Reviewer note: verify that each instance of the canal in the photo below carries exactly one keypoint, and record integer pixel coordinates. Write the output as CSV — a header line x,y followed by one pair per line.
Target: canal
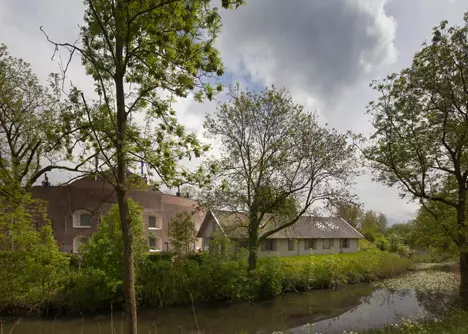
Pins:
x,y
351,307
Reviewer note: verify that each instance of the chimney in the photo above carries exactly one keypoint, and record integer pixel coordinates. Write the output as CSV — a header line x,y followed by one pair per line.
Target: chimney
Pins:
x,y
45,183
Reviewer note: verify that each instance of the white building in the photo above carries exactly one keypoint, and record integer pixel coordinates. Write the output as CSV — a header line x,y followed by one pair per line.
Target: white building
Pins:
x,y
309,235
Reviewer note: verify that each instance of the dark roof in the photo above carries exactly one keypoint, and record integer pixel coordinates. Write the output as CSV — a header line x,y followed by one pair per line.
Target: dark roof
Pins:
x,y
234,226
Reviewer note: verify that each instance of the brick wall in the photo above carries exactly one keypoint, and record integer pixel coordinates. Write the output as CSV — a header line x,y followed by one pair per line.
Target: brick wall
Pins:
x,y
97,196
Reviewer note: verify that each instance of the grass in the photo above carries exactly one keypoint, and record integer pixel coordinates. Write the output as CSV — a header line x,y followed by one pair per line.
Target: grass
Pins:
x,y
328,271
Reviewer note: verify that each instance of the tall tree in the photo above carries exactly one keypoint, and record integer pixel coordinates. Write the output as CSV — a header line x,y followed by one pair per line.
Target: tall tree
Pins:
x,y
421,129
276,162
36,128
141,53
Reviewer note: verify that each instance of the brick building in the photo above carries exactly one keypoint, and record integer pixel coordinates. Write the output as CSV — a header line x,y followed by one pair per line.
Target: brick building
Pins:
x,y
75,210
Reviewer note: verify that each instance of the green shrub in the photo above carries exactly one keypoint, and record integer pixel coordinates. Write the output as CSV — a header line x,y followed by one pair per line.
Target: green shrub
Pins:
x,y
105,248
269,279
89,290
217,276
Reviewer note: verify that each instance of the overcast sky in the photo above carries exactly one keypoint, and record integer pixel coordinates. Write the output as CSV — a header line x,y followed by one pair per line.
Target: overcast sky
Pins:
x,y
325,52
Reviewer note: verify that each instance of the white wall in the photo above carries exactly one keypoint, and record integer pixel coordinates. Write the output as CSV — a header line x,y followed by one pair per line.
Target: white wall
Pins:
x,y
210,228
282,245
282,248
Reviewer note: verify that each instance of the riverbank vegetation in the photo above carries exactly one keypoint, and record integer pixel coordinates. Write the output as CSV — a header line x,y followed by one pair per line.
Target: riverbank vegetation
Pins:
x,y
93,282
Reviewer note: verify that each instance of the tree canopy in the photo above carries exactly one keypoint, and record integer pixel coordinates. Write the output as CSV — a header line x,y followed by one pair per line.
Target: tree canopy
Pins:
x,y
421,128
276,161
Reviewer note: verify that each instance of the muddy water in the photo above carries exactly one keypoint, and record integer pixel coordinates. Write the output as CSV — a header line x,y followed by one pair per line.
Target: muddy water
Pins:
x,y
319,311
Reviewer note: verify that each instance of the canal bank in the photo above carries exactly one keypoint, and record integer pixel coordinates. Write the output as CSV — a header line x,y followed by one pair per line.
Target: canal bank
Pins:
x,y
350,307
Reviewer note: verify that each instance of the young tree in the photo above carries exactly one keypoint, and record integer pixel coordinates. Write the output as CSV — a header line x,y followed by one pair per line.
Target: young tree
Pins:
x,y
141,53
105,247
182,233
351,212
421,129
276,162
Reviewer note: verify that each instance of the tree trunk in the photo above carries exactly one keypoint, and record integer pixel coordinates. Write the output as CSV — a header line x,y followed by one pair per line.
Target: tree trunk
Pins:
x,y
129,272
464,275
122,182
463,247
253,249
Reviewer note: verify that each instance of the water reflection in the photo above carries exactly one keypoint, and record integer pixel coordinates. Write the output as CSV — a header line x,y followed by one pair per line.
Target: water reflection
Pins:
x,y
382,307
353,307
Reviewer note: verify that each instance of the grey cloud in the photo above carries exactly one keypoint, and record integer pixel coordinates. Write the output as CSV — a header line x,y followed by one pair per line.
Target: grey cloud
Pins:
x,y
321,46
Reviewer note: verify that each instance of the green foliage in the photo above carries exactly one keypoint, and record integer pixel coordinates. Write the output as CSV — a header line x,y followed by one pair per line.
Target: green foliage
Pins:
x,y
421,128
272,150
351,212
216,277
35,124
32,266
89,290
104,250
435,227
182,233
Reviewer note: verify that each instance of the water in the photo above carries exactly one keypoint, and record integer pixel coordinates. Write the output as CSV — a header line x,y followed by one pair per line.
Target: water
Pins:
x,y
352,307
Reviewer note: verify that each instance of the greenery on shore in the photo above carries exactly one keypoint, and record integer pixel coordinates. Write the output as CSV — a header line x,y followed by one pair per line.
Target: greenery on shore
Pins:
x,y
164,279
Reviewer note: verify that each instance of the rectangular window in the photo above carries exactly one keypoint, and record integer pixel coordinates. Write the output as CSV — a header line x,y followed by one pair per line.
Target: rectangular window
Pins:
x,y
152,222
243,243
327,243
310,244
269,245
344,243
152,243
290,245
85,219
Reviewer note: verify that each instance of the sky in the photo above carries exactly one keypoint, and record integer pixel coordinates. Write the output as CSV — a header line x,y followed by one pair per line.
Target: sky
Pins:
x,y
325,52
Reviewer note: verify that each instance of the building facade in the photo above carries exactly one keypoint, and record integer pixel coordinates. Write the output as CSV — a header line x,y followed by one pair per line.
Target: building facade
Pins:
x,y
310,235
75,211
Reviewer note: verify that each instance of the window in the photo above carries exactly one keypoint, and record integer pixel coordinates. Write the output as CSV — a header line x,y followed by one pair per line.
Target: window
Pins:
x,y
154,244
344,243
81,219
290,245
244,243
269,245
78,241
327,243
310,244
154,223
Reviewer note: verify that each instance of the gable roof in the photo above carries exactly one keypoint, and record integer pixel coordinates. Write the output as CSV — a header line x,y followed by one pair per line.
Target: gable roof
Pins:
x,y
234,225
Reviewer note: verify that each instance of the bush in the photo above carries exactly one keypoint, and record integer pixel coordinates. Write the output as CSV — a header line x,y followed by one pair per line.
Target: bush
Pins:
x,y
220,276
89,290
